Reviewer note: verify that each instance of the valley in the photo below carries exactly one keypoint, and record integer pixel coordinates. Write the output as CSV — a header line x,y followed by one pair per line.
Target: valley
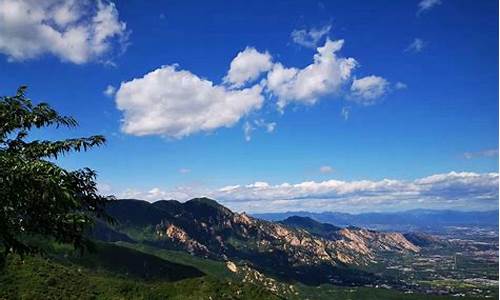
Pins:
x,y
202,249
302,251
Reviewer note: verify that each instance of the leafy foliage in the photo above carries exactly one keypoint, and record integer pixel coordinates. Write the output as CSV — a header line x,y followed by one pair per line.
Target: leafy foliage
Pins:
x,y
38,197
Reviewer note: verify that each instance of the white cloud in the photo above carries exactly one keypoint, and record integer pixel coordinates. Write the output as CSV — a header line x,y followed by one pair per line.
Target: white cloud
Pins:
x,y
247,66
367,89
324,76
156,193
437,191
400,85
177,103
416,46
425,5
109,91
326,169
269,126
453,190
74,31
482,153
104,188
247,131
249,127
258,185
345,112
184,170
310,38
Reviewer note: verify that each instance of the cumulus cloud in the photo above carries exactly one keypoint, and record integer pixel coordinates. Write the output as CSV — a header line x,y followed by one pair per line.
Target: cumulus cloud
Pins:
x,y
74,31
310,38
425,5
454,189
440,191
176,103
247,66
482,153
415,46
324,76
367,89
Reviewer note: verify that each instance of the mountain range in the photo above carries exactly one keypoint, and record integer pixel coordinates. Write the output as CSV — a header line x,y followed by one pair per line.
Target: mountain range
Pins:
x,y
200,249
297,248
412,220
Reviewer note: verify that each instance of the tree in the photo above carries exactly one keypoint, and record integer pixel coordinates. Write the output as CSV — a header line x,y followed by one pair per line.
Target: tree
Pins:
x,y
38,197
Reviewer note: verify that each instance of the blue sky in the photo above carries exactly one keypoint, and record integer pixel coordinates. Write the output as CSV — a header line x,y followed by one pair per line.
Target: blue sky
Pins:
x,y
421,98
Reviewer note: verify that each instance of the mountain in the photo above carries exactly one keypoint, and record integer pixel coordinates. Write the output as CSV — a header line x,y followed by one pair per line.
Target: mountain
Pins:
x,y
138,213
103,232
413,220
355,237
205,228
424,240
325,230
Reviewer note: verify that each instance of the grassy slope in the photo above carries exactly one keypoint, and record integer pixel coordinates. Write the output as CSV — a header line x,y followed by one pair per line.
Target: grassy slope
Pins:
x,y
129,276
214,268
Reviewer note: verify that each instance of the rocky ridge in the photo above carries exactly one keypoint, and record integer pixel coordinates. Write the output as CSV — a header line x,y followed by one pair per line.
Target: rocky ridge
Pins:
x,y
216,231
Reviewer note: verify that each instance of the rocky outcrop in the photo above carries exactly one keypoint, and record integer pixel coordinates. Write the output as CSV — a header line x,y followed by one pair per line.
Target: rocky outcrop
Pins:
x,y
210,229
180,237
248,274
372,241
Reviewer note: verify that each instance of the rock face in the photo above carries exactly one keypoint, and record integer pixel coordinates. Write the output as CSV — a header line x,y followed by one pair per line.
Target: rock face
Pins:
x,y
376,241
180,237
204,227
361,240
232,266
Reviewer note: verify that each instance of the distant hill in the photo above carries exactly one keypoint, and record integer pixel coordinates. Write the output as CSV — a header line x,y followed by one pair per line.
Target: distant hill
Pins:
x,y
399,221
313,226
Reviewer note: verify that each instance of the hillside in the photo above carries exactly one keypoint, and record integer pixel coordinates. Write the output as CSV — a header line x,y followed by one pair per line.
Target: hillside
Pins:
x,y
355,237
115,272
207,229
